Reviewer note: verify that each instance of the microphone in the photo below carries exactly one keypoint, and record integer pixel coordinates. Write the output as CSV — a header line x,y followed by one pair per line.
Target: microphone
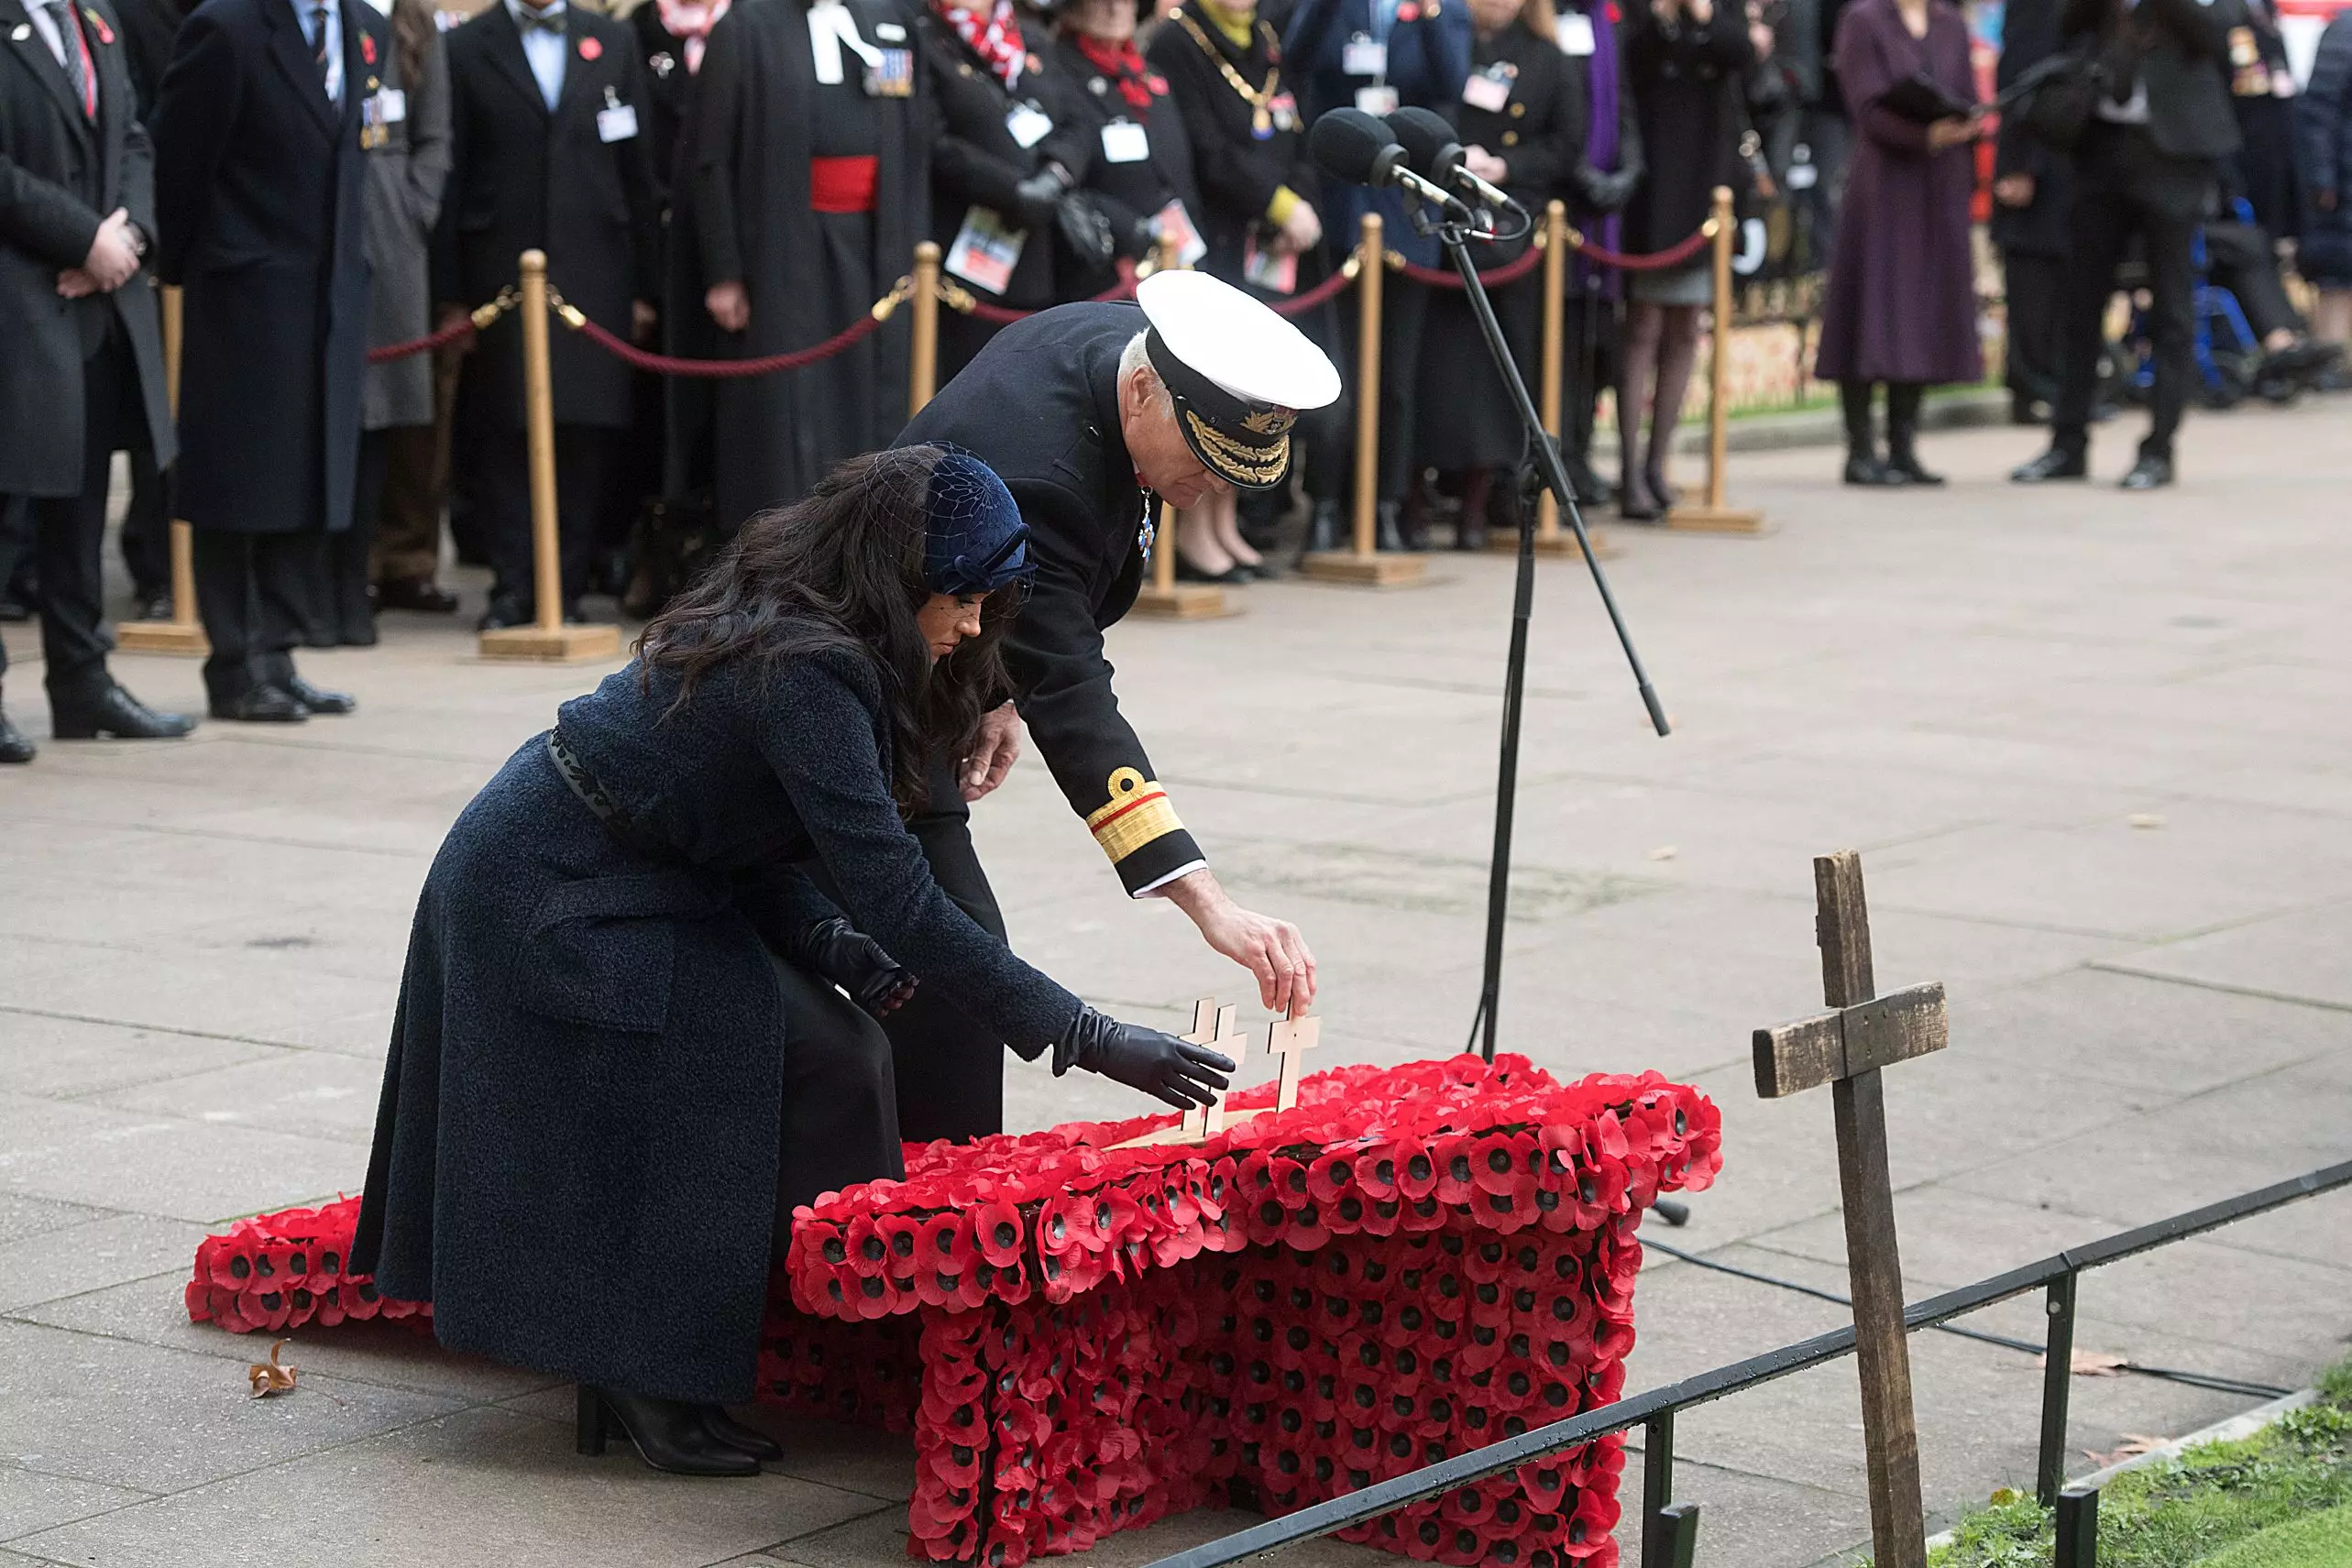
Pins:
x,y
1356,146
1430,148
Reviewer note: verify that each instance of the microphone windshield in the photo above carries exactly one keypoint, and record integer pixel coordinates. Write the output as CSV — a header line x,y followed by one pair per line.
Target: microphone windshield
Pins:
x,y
1349,144
1430,148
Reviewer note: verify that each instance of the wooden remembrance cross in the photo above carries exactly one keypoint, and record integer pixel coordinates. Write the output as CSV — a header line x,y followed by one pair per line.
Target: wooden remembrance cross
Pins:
x,y
1845,1047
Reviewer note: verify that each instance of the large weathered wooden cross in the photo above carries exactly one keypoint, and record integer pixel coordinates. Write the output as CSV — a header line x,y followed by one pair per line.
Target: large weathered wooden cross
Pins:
x,y
1845,1047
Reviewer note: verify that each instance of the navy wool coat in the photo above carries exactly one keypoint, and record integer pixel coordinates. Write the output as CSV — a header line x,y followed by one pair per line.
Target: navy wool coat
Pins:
x,y
576,1151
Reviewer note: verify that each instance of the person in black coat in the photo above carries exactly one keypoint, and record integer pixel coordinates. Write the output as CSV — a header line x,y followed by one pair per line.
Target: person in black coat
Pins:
x,y
805,188
1224,66
548,153
82,372
2146,166
1606,175
619,1060
262,126
1140,177
1011,151
149,29
1095,414
2262,91
2032,190
1521,121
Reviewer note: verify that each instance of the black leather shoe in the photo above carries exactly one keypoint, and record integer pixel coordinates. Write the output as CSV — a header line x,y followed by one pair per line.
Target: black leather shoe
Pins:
x,y
152,606
14,746
317,699
1325,529
358,634
1388,527
2149,473
1905,465
1232,577
504,611
421,593
15,611
116,714
261,705
1871,470
2057,462
668,1434
729,1432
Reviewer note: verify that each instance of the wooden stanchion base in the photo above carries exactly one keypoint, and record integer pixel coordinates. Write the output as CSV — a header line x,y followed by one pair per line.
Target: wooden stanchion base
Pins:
x,y
1715,520
1380,569
1185,601
1562,544
161,637
564,645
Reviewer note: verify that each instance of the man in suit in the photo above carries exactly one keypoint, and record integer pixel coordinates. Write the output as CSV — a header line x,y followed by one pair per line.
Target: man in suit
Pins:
x,y
2032,192
1092,414
82,372
2146,165
262,127
550,154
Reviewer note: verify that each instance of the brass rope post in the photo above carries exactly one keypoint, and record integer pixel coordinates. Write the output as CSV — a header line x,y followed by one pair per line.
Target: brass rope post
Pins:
x,y
1367,383
182,633
923,372
1715,516
1555,308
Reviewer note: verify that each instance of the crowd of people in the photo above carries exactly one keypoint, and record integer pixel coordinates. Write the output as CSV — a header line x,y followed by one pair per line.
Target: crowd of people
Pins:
x,y
730,180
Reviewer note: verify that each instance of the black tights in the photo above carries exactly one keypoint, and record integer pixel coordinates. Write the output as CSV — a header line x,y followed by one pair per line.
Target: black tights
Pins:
x,y
1661,346
1902,415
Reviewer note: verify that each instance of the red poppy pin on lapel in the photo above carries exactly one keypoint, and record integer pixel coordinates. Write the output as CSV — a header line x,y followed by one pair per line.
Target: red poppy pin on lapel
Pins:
x,y
367,47
590,48
1408,12
105,34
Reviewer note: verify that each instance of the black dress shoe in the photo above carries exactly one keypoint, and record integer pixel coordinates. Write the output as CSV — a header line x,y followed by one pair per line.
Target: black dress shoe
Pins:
x,y
14,746
152,606
669,1434
321,634
2057,462
115,713
15,611
504,611
317,699
261,705
2149,473
1388,528
1862,470
421,593
358,634
732,1433
1233,576
1324,531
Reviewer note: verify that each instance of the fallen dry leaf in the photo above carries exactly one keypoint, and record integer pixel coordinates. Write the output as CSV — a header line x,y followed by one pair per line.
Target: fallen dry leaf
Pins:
x,y
2132,1447
269,1377
2091,1363
1664,852
2147,819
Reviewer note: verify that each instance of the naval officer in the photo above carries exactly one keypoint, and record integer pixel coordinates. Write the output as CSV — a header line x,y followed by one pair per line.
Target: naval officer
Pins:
x,y
1094,414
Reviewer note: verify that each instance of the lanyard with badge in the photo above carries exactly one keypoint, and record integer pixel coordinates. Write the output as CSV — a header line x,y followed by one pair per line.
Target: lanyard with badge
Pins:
x,y
1366,54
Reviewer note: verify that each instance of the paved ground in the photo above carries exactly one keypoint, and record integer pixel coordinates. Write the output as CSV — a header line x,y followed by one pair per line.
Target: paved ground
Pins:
x,y
2095,748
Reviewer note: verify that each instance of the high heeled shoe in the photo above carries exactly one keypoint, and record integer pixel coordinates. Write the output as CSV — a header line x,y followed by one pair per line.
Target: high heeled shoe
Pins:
x,y
668,1434
732,1433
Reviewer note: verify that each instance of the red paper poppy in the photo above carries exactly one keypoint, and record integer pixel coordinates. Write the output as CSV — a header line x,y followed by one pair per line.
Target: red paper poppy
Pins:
x,y
996,1227
367,47
1588,1526
1456,1169
1330,1175
590,48
1416,1169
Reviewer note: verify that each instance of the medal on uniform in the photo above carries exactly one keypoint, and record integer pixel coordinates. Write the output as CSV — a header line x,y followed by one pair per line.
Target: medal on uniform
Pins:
x,y
1262,122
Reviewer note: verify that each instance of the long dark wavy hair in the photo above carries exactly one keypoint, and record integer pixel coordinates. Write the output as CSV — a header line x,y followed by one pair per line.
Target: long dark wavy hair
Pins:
x,y
841,572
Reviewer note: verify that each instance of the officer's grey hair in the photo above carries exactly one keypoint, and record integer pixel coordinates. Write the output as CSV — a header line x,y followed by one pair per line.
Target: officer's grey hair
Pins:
x,y
1136,356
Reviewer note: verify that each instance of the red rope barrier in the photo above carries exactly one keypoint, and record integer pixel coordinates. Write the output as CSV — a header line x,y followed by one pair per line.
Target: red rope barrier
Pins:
x,y
1494,277
723,369
1298,304
1673,256
424,345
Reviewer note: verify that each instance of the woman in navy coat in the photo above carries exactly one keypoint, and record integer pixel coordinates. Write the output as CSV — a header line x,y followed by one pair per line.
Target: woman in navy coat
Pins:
x,y
619,1060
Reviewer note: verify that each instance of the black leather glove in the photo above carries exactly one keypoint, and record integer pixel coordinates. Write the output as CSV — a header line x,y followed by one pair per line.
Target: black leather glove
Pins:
x,y
1181,1073
1036,197
1085,231
846,956
1606,191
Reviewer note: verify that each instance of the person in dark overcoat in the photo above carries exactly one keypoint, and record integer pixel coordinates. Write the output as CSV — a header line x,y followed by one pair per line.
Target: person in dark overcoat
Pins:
x,y
1520,120
1133,178
1380,55
2032,188
1009,156
2323,125
620,1061
1687,61
806,187
1095,414
1602,181
1224,66
2148,164
406,171
148,28
262,126
82,374
1901,304
2262,91
550,153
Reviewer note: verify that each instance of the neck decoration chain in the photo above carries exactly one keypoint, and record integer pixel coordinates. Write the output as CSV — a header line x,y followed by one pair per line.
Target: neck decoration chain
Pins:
x,y
1261,116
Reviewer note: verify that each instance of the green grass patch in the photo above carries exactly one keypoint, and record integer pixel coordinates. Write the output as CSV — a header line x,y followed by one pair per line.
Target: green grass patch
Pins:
x,y
2286,1491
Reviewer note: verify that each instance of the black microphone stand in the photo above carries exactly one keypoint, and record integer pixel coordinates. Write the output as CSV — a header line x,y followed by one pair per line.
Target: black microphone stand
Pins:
x,y
1454,234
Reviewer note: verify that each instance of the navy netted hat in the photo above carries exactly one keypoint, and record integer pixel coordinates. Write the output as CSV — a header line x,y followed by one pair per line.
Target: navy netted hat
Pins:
x,y
974,540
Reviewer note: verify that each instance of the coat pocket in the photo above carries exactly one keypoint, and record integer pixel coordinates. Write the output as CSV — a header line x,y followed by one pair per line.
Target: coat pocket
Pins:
x,y
604,951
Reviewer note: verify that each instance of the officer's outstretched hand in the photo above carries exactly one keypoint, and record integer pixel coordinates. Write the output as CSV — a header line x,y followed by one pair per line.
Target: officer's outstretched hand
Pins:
x,y
849,958
1181,1073
1271,950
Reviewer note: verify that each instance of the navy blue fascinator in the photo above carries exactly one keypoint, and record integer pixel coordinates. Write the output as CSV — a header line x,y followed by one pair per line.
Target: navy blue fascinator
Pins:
x,y
974,540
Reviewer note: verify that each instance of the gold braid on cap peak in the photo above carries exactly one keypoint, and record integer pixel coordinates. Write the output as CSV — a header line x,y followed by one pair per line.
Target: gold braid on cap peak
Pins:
x,y
1253,465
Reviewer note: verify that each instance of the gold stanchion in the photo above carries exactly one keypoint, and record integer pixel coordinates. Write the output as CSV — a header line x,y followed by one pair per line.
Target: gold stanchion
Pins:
x,y
1550,539
923,373
1717,516
1164,595
183,633
1364,565
548,638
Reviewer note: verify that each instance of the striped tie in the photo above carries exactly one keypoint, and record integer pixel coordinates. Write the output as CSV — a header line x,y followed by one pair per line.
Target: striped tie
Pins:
x,y
68,40
318,44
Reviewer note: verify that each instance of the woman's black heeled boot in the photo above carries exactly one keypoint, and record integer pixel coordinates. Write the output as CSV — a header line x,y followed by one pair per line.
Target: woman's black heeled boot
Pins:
x,y
729,1432
1903,434
1863,466
668,1434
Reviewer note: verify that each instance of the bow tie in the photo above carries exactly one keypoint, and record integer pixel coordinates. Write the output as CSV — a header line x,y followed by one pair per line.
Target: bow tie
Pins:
x,y
543,21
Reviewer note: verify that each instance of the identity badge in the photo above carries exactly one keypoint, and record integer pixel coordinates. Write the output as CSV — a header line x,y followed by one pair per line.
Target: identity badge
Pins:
x,y
1363,56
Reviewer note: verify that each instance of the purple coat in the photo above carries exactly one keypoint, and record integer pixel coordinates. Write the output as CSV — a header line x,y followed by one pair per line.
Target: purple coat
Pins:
x,y
1902,296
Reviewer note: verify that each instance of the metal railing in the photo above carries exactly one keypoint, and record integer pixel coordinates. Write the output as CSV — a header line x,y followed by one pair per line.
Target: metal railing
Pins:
x,y
1668,1532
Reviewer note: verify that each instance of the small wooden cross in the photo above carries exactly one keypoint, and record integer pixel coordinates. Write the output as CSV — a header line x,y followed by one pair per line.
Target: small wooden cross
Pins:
x,y
1203,1120
1845,1047
1290,1039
